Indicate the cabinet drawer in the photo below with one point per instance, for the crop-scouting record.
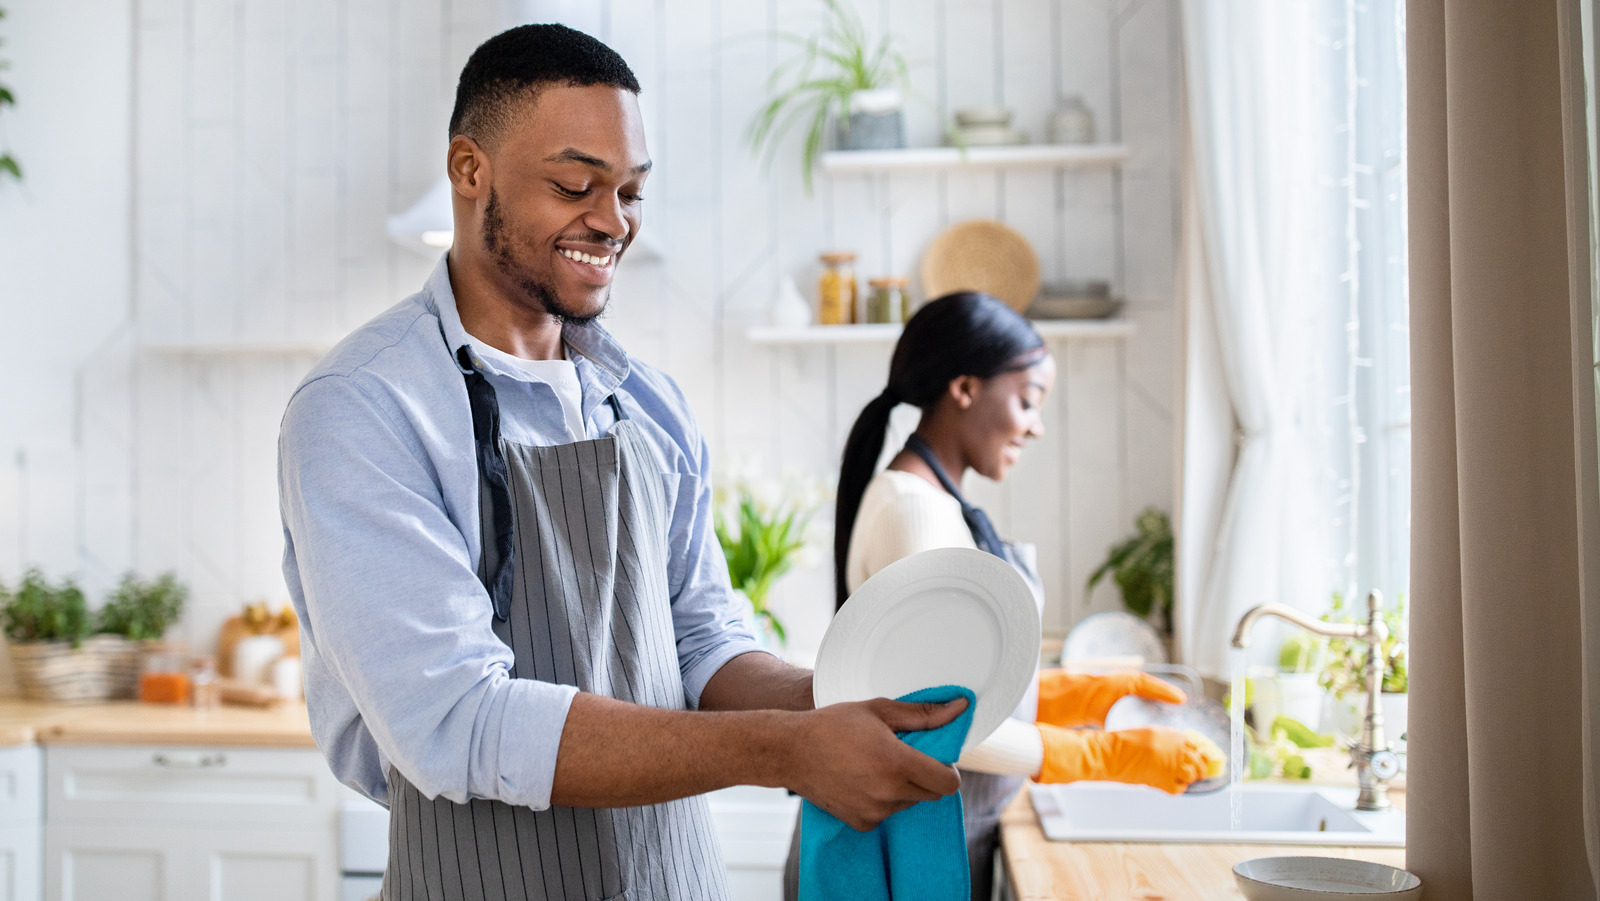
(231, 787)
(21, 795)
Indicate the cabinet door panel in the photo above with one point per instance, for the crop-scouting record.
(21, 795)
(95, 863)
(19, 862)
(190, 786)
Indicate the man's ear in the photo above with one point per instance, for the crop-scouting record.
(963, 391)
(468, 167)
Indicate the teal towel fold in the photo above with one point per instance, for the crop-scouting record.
(919, 854)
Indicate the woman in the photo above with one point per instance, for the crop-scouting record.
(980, 374)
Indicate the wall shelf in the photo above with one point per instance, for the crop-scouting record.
(1019, 156)
(1049, 329)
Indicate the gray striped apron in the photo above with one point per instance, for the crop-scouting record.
(575, 540)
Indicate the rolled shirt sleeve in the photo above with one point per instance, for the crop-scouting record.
(392, 608)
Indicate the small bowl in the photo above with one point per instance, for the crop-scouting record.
(1324, 879)
(978, 116)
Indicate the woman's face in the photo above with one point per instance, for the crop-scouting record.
(1002, 414)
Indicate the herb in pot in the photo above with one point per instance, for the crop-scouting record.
(142, 610)
(39, 611)
(8, 163)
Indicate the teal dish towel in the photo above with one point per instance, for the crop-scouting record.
(919, 854)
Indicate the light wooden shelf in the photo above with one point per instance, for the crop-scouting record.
(1049, 329)
(1018, 156)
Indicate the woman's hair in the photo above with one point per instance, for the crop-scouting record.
(966, 333)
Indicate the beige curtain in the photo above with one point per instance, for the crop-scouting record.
(1501, 782)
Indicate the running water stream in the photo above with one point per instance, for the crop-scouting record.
(1238, 762)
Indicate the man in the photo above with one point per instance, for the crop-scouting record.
(517, 626)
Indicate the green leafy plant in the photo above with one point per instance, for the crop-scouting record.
(1345, 668)
(8, 163)
(830, 67)
(143, 610)
(40, 611)
(762, 539)
(1142, 567)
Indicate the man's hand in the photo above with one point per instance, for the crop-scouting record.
(846, 759)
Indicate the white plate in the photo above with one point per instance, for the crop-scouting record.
(952, 616)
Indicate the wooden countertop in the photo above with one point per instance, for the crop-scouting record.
(133, 723)
(1043, 870)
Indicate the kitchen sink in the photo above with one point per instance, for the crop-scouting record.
(1253, 814)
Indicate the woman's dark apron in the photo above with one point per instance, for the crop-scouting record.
(575, 538)
(984, 796)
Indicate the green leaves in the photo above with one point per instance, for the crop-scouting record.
(8, 163)
(40, 611)
(1345, 670)
(143, 610)
(830, 66)
(1142, 566)
(761, 542)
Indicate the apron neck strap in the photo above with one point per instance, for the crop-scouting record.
(492, 470)
(983, 533)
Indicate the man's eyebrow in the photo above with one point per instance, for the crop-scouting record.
(573, 155)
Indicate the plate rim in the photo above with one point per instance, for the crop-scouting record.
(976, 569)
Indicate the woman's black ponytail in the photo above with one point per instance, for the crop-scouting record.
(960, 334)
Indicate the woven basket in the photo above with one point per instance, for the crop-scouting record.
(982, 255)
(102, 668)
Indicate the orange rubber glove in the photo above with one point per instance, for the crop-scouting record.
(1164, 758)
(1078, 699)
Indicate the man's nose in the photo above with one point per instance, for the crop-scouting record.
(606, 217)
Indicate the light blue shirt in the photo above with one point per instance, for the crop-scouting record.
(378, 489)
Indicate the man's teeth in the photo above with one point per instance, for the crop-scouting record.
(586, 258)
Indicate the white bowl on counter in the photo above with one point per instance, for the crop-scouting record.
(1324, 879)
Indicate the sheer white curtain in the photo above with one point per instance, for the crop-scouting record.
(1297, 416)
(1254, 166)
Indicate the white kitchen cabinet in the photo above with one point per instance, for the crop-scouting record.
(754, 825)
(20, 811)
(189, 824)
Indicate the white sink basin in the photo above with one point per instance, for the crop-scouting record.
(1245, 814)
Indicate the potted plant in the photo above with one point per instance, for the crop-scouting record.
(47, 625)
(1142, 567)
(135, 617)
(1344, 670)
(841, 74)
(763, 531)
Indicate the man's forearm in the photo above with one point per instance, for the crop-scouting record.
(758, 681)
(615, 754)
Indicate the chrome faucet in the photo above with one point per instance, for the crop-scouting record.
(1375, 764)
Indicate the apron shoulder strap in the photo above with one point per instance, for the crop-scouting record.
(492, 473)
(983, 533)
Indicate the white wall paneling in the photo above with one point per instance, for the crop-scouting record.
(246, 173)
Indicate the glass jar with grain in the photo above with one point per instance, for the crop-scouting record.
(889, 302)
(836, 289)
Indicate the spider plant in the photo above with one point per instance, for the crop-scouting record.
(830, 67)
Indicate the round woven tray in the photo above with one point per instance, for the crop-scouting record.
(982, 255)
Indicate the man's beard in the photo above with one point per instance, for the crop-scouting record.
(541, 293)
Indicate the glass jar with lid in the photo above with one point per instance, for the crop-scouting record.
(889, 301)
(836, 289)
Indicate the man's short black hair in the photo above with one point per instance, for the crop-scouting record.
(514, 65)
